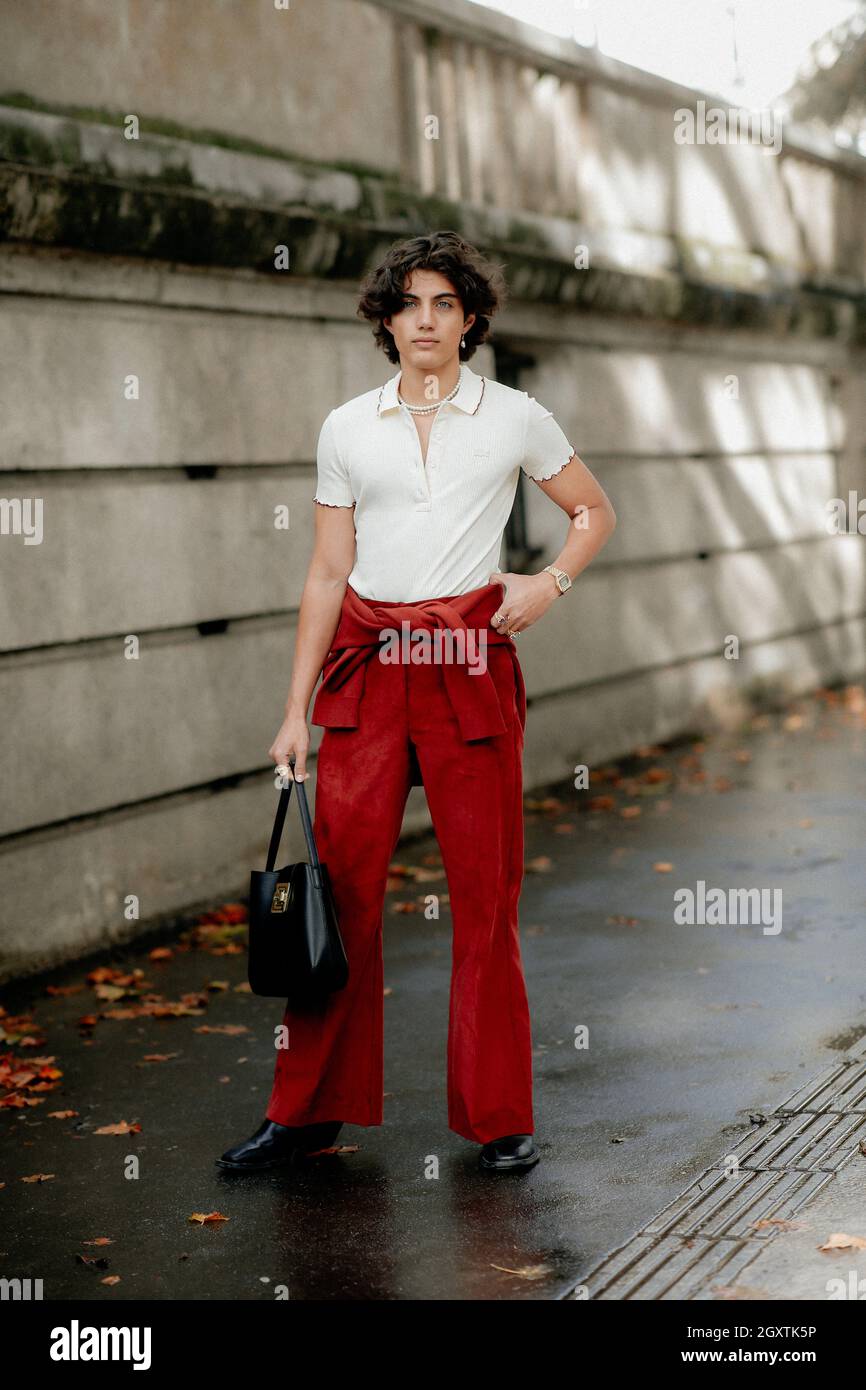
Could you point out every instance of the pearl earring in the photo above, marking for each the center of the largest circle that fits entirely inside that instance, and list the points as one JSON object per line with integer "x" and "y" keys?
{"x": 463, "y": 342}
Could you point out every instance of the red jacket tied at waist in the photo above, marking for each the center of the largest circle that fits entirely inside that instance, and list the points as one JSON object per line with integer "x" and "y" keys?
{"x": 359, "y": 637}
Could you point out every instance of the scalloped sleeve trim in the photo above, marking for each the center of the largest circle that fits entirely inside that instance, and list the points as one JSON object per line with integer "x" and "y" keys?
{"x": 554, "y": 468}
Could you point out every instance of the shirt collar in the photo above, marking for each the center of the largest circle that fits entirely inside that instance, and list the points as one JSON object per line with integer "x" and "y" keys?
{"x": 468, "y": 397}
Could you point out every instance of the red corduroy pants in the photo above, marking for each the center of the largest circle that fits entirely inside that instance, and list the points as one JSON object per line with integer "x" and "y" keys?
{"x": 333, "y": 1067}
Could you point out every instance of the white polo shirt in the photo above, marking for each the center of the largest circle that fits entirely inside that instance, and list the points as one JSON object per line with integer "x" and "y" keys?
{"x": 429, "y": 532}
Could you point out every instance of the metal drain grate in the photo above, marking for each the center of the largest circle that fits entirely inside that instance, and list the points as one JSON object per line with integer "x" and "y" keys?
{"x": 840, "y": 1088}
{"x": 708, "y": 1235}
{"x": 804, "y": 1142}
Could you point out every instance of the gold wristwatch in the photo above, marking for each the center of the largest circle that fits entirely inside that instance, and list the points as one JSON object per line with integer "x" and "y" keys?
{"x": 563, "y": 580}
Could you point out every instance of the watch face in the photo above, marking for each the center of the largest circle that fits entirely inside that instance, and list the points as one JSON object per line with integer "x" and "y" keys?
{"x": 564, "y": 583}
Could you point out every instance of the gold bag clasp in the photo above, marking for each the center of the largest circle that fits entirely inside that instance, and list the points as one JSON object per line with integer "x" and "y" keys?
{"x": 280, "y": 900}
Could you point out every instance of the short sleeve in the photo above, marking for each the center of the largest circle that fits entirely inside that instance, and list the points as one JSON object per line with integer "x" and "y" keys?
{"x": 332, "y": 480}
{"x": 545, "y": 447}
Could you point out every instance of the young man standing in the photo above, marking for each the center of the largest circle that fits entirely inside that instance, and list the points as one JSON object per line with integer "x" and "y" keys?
{"x": 416, "y": 481}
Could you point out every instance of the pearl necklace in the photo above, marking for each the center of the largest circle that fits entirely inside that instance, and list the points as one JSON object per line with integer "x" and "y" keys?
{"x": 428, "y": 409}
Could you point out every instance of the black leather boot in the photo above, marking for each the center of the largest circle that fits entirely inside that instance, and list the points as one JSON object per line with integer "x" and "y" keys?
{"x": 273, "y": 1145}
{"x": 509, "y": 1154}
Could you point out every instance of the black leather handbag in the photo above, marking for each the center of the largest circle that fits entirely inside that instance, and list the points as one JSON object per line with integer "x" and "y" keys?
{"x": 295, "y": 947}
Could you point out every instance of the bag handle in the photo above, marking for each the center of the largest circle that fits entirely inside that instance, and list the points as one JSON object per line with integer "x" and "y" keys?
{"x": 279, "y": 823}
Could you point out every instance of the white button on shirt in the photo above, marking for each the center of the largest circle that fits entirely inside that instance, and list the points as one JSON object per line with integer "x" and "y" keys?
{"x": 430, "y": 532}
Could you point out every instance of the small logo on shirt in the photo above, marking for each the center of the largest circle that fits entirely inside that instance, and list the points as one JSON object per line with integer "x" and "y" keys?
{"x": 440, "y": 647}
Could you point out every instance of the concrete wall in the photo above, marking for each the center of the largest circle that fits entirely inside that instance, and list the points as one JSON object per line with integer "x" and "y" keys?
{"x": 286, "y": 79}
{"x": 707, "y": 366}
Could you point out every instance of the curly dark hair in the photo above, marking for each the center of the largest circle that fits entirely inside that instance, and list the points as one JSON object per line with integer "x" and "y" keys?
{"x": 479, "y": 283}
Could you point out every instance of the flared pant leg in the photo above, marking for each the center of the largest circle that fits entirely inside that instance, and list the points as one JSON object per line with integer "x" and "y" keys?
{"x": 475, "y": 795}
{"x": 333, "y": 1067}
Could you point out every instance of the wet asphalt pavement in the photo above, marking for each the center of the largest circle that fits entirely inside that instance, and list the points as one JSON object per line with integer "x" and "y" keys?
{"x": 691, "y": 1030}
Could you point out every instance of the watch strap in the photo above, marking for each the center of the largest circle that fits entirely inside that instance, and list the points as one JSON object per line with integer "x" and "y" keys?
{"x": 556, "y": 572}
